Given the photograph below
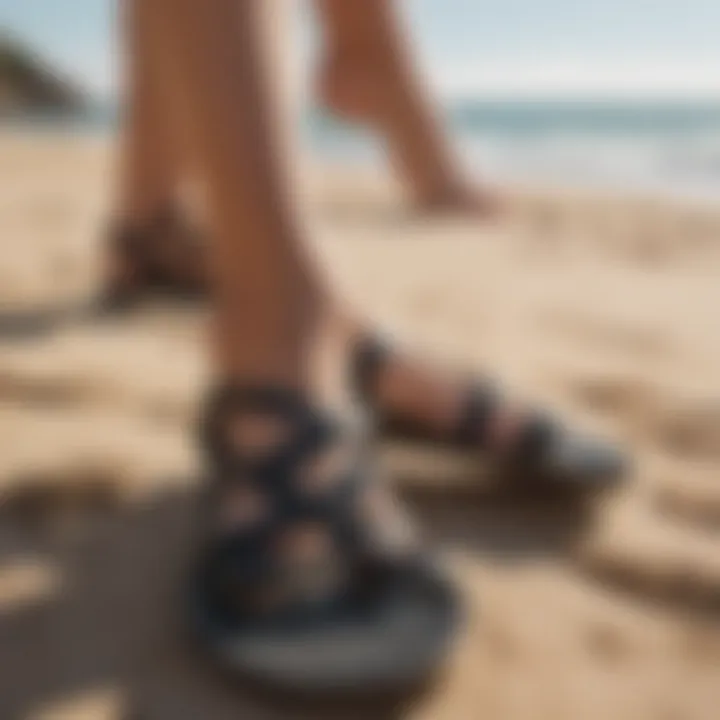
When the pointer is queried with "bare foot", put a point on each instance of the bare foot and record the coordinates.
(358, 91)
(467, 197)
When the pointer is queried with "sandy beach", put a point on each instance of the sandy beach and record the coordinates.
(606, 307)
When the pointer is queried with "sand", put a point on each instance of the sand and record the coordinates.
(607, 307)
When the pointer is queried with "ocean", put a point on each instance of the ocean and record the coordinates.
(636, 146)
(669, 148)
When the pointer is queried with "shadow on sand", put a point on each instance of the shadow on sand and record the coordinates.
(112, 622)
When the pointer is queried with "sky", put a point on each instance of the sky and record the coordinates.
(630, 47)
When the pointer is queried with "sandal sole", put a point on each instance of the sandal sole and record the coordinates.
(398, 646)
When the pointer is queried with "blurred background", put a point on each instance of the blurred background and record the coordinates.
(623, 96)
(595, 290)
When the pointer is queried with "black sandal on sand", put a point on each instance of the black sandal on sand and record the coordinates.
(296, 590)
(163, 258)
(543, 454)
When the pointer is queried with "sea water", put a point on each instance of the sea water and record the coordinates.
(641, 146)
(632, 146)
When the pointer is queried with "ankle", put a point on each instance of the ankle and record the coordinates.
(270, 347)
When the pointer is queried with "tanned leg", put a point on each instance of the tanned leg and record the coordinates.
(370, 74)
(149, 159)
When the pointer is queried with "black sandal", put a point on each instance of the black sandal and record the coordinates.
(544, 455)
(295, 594)
(163, 258)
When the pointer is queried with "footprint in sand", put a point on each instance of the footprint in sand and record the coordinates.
(621, 396)
(689, 492)
(61, 464)
(689, 428)
(606, 335)
(639, 552)
(125, 370)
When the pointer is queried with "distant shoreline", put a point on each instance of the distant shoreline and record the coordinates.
(661, 149)
(92, 119)
(495, 115)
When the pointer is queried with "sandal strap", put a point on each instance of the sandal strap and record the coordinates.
(130, 240)
(480, 403)
(480, 407)
(368, 359)
(538, 434)
(136, 245)
(246, 553)
(309, 431)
